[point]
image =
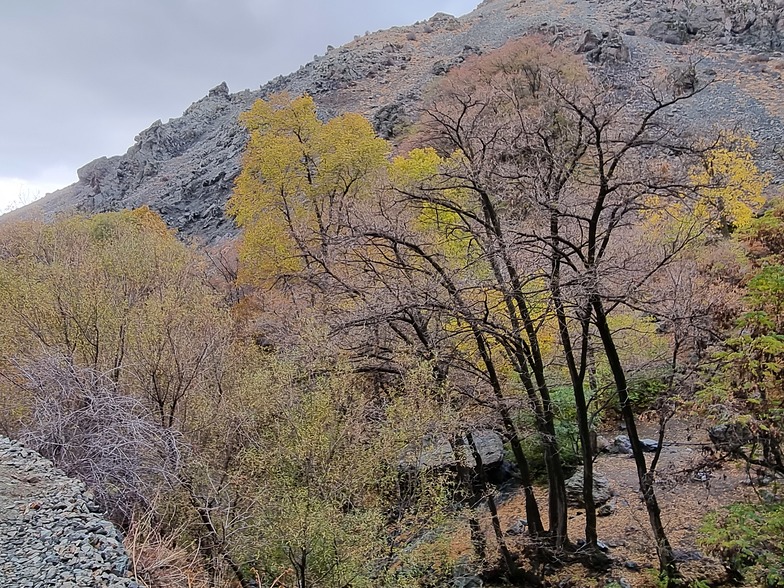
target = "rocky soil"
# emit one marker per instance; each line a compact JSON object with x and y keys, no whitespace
{"x":51,"y":531}
{"x":185,"y":168}
{"x":689,"y":485}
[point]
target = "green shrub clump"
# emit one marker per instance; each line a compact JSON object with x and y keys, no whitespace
{"x":750,"y":539}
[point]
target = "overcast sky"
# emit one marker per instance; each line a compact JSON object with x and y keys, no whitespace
{"x":82,"y":77}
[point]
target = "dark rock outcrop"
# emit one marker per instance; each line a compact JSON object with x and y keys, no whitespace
{"x":607,"y":49}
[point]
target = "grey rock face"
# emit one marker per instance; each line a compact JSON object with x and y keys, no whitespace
{"x":671,"y":27}
{"x":185,"y":168}
{"x":389,"y":120}
{"x":758,"y":23}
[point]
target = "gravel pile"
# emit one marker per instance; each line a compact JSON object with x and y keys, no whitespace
{"x":51,"y":531}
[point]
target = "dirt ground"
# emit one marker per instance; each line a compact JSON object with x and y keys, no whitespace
{"x":686,"y":493}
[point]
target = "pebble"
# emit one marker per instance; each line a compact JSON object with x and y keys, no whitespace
{"x":56,"y":538}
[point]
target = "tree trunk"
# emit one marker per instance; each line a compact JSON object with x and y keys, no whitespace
{"x":664,"y":549}
{"x":577,"y":377}
{"x":478,"y":540}
{"x":509,"y":563}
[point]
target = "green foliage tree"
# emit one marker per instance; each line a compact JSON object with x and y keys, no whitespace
{"x":346,"y":268}
{"x":748,"y":384}
{"x":310,"y":471}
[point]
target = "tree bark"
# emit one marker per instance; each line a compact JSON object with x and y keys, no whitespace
{"x":644,"y":475}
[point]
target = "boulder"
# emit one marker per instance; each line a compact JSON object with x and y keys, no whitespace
{"x":649,"y":445}
{"x":759,"y":23}
{"x":220,"y":91}
{"x":436,"y":452}
{"x":489,"y":445}
{"x":708,"y":570}
{"x":517,"y":528}
{"x":507,"y":471}
{"x":621,"y":444}
{"x":390,"y":119}
{"x":608,"y":49}
{"x":574,"y":489}
{"x":607,"y":509}
{"x":730,"y":437}
{"x":465,"y":575}
{"x":671,"y":27}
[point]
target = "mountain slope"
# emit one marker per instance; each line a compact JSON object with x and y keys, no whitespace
{"x":185,"y":168}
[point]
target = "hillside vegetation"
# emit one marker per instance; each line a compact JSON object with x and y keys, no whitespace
{"x":543,"y":253}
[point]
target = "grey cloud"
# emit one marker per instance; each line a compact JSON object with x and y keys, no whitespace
{"x":82,"y":77}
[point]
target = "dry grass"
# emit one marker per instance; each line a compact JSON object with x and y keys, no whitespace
{"x":159,"y":562}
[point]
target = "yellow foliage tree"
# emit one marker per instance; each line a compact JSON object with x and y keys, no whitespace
{"x":299,"y":179}
{"x":730,"y":185}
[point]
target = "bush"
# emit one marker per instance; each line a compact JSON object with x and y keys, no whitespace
{"x":93,"y":431}
{"x":750,"y":539}
{"x":645,"y":391}
{"x":565,"y":431}
{"x":647,"y":388}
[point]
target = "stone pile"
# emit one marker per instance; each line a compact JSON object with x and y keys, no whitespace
{"x":51,"y":531}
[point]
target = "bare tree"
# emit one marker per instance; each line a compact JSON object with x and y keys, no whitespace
{"x":558,"y":174}
{"x":94,"y":432}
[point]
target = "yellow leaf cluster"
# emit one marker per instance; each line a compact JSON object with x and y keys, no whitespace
{"x":300,"y":177}
{"x":730,"y":185}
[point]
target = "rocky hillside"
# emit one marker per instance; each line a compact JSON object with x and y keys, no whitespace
{"x":185,"y":168}
{"x":51,"y":531}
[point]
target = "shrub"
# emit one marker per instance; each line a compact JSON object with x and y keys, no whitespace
{"x":93,"y":431}
{"x":565,"y":431}
{"x":750,"y":539}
